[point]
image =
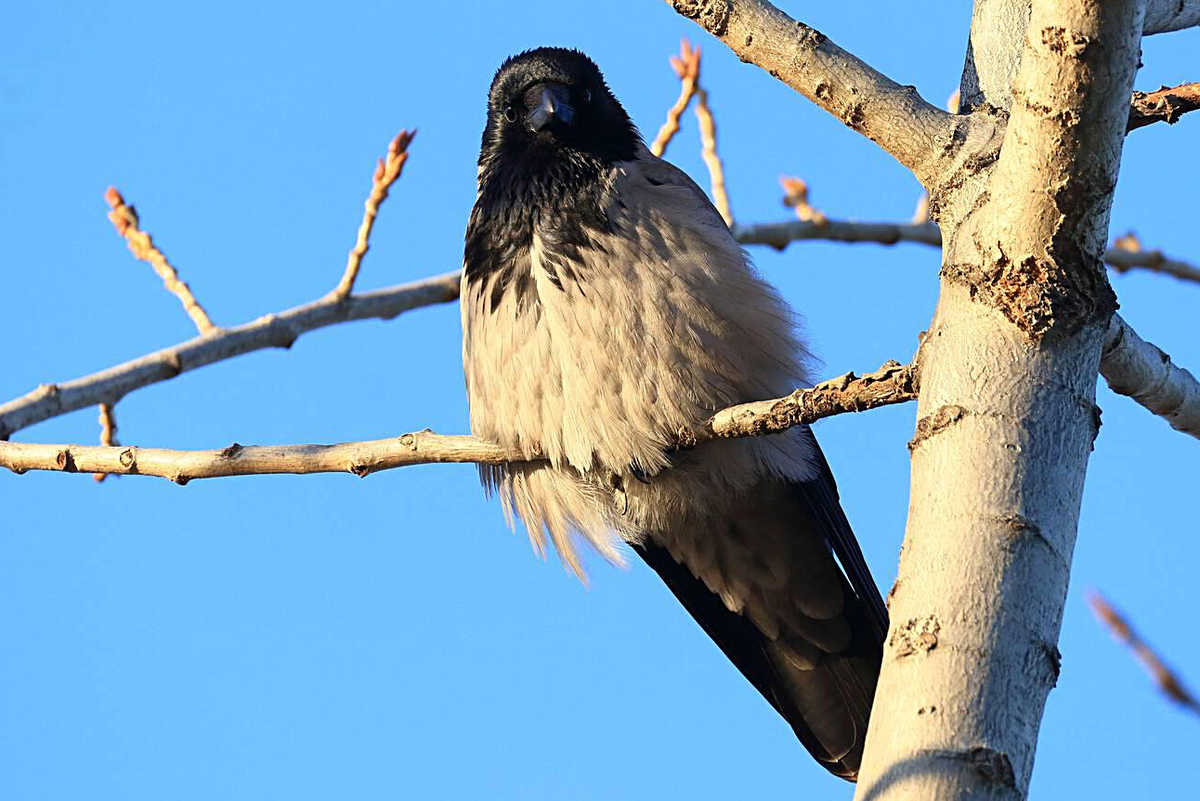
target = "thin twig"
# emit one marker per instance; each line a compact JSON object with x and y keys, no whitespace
{"x":1168,"y":682}
{"x":892,"y":383}
{"x":108,"y":432}
{"x":779,"y":235}
{"x":708,"y":152}
{"x":124,"y":218}
{"x":272,"y":331}
{"x":795,"y":196}
{"x":386,"y":172}
{"x":687,"y":67}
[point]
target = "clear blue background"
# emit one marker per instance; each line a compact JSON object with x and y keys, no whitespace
{"x":330,"y":637}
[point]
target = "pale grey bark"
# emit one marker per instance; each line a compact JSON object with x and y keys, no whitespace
{"x":1163,"y":16}
{"x":891,"y":383}
{"x":1007,"y":410}
{"x":1138,"y":369}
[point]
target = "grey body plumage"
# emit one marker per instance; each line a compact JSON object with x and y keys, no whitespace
{"x":605,"y":305}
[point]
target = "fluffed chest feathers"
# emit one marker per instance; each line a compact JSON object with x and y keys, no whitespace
{"x":593,"y":345}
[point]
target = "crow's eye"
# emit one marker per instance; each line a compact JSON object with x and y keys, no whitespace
{"x":510,"y":114}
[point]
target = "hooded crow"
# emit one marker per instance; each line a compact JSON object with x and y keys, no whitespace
{"x":605,"y":306}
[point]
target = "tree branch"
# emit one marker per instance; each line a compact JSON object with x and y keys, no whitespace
{"x":894,"y":116}
{"x":1127,"y":254}
{"x":125,"y":219}
{"x":779,"y":235}
{"x":687,"y":67}
{"x":386,"y":173}
{"x":708,"y":152}
{"x":1163,"y":16}
{"x":1167,"y":104}
{"x":272,"y":331}
{"x":1169,"y":683}
{"x":891,"y":383}
{"x":1139,"y":370}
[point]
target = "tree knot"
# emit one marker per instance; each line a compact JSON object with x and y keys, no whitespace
{"x":712,"y":15}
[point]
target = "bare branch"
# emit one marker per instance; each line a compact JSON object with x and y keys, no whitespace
{"x":1139,"y":370}
{"x":1163,"y":676}
{"x":272,"y":331}
{"x":108,"y":431}
{"x":1127,"y":254}
{"x":1163,"y":16}
{"x":894,"y":116}
{"x":779,"y":235}
{"x":1167,"y":104}
{"x":124,"y":218}
{"x":708,"y":152}
{"x":386,"y":173}
{"x":687,"y":67}
{"x":892,"y":383}
{"x":795,"y":196}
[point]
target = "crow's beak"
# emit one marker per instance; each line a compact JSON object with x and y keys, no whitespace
{"x":550,"y":102}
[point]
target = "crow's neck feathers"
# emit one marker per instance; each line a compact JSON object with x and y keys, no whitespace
{"x":553,"y":181}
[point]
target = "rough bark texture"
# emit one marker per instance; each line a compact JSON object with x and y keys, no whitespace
{"x":894,"y":116}
{"x":1007,"y":410}
{"x":1167,"y":104}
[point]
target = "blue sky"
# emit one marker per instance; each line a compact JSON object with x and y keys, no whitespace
{"x":316,"y":637}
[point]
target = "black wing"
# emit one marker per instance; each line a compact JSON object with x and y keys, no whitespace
{"x":828,"y":704}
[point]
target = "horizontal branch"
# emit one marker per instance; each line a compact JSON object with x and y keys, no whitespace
{"x":1167,"y":105}
{"x":896,"y":117}
{"x":1155,"y":261}
{"x":1139,"y":370}
{"x":780,"y":235}
{"x":1163,"y":16}
{"x":272,"y":331}
{"x":891,"y":383}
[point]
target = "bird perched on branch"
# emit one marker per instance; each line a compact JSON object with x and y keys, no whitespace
{"x":605,"y":305}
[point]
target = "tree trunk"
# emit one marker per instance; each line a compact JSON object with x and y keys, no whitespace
{"x":1007,"y":414}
